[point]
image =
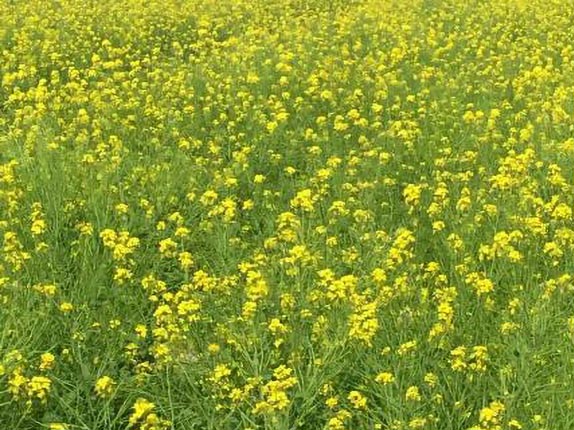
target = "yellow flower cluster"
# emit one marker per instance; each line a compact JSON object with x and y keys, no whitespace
{"x":286,"y":214}
{"x":143,"y":417}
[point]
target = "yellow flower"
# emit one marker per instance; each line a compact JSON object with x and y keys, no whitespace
{"x":258,"y":179}
{"x":490,"y":415}
{"x":167,"y":247}
{"x":412,"y":194}
{"x":17,"y":383}
{"x":142,"y":414}
{"x":407,"y":347}
{"x":303,"y":200}
{"x":104,"y":386}
{"x":38,"y":387}
{"x":276,"y":327}
{"x":185,"y":260}
{"x":122,"y":208}
{"x":275,"y":391}
{"x":363,"y":323}
{"x":66,"y":307}
{"x":417,"y":423}
{"x":85,"y":228}
{"x":220,"y":372}
{"x":213,"y":348}
{"x":413,"y":394}
{"x":514,"y":424}
{"x":47,"y":361}
{"x":358,"y":400}
{"x":141,"y":331}
{"x":332,"y":402}
{"x":122,"y":275}
{"x":431,"y":379}
{"x":385,"y":378}
{"x":38,"y":227}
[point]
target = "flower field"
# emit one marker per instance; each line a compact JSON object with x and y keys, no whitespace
{"x":287,"y":214}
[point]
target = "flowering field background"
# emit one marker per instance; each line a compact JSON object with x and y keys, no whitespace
{"x":287,"y":214}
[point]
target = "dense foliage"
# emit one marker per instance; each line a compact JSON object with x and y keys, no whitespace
{"x":287,"y":214}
